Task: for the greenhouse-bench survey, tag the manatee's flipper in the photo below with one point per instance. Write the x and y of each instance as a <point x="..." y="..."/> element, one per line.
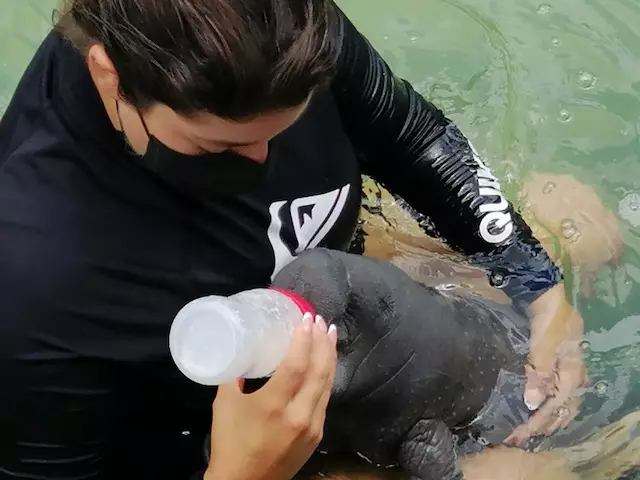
<point x="428" y="452"/>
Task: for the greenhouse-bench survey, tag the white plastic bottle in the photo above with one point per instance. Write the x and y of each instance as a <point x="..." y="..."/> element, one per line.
<point x="214" y="340"/>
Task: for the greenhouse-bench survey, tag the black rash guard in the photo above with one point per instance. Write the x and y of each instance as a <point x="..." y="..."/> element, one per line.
<point x="98" y="254"/>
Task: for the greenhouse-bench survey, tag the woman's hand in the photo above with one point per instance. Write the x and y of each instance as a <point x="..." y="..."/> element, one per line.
<point x="270" y="434"/>
<point x="556" y="370"/>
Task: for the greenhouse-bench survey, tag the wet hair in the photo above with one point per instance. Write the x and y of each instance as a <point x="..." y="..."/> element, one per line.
<point x="232" y="58"/>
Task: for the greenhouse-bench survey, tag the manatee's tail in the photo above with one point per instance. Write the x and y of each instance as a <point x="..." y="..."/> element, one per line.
<point x="612" y="453"/>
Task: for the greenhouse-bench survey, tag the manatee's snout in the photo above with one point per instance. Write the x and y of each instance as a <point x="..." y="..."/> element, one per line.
<point x="319" y="276"/>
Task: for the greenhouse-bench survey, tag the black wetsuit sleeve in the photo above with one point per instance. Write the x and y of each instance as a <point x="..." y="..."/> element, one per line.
<point x="410" y="147"/>
<point x="55" y="408"/>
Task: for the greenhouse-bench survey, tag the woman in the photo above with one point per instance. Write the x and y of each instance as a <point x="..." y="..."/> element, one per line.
<point x="156" y="151"/>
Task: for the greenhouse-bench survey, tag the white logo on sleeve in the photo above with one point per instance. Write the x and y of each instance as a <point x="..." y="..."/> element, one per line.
<point x="311" y="217"/>
<point x="496" y="224"/>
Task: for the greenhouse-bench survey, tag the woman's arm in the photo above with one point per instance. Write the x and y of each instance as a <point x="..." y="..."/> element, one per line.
<point x="408" y="145"/>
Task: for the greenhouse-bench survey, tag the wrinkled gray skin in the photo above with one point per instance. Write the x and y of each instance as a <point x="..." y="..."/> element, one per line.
<point x="413" y="363"/>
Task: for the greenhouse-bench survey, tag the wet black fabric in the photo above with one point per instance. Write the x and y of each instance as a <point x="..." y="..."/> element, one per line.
<point x="98" y="253"/>
<point x="415" y="151"/>
<point x="415" y="365"/>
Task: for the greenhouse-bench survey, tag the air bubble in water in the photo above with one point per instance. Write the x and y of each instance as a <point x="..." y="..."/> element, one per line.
<point x="445" y="287"/>
<point x="586" y="80"/>
<point x="629" y="208"/>
<point x="548" y="188"/>
<point x="386" y="37"/>
<point x="544" y="9"/>
<point x="601" y="388"/>
<point x="564" y="116"/>
<point x="585" y="345"/>
<point x="555" y="42"/>
<point x="570" y="230"/>
<point x="497" y="280"/>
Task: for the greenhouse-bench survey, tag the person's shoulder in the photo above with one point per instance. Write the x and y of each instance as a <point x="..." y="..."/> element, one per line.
<point x="36" y="77"/>
<point x="22" y="125"/>
<point x="29" y="113"/>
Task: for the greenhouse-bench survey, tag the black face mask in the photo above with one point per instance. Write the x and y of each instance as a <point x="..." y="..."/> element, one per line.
<point x="206" y="176"/>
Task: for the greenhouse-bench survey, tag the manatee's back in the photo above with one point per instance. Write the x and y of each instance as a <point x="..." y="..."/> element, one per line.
<point x="406" y="351"/>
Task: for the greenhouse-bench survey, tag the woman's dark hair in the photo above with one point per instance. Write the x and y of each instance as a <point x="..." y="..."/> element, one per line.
<point x="232" y="58"/>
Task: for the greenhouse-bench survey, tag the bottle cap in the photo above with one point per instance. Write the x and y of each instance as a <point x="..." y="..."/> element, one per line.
<point x="206" y="341"/>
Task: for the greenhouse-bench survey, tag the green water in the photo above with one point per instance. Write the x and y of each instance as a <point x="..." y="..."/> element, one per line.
<point x="551" y="87"/>
<point x="539" y="86"/>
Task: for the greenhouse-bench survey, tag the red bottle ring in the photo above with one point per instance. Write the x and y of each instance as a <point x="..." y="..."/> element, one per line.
<point x="300" y="302"/>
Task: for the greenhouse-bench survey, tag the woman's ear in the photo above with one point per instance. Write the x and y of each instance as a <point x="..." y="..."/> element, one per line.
<point x="103" y="72"/>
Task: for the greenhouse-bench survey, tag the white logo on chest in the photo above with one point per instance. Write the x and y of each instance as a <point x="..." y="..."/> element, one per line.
<point x="312" y="219"/>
